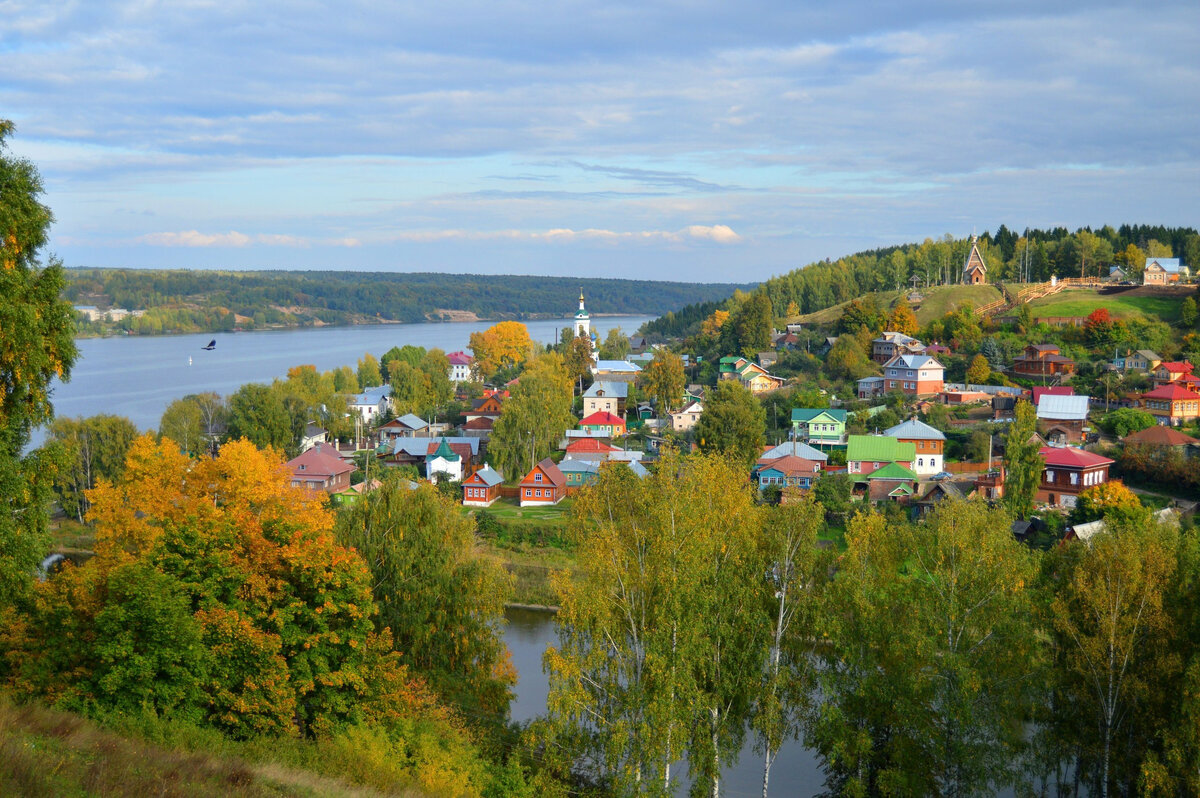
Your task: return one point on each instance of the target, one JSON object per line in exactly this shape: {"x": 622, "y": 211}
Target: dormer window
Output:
{"x": 537, "y": 477}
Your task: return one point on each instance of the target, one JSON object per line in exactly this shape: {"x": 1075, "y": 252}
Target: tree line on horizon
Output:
{"x": 1034, "y": 256}
{"x": 203, "y": 300}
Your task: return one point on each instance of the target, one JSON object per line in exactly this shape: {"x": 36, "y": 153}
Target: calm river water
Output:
{"x": 138, "y": 376}
{"x": 796, "y": 771}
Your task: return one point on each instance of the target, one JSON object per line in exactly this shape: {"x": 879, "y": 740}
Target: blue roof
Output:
{"x": 914, "y": 430}
{"x": 615, "y": 365}
{"x": 419, "y": 447}
{"x": 806, "y": 414}
{"x": 489, "y": 476}
{"x": 611, "y": 388}
{"x": 1170, "y": 265}
{"x": 413, "y": 421}
{"x": 796, "y": 448}
{"x": 373, "y": 396}
{"x": 571, "y": 465}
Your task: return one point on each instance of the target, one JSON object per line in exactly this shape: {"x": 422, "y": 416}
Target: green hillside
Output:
{"x": 1137, "y": 303}
{"x": 937, "y": 302}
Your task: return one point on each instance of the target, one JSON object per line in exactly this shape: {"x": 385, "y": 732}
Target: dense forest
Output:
{"x": 1032, "y": 256}
{"x": 190, "y": 301}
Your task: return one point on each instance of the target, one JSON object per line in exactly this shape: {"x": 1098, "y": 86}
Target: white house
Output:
{"x": 371, "y": 403}
{"x": 683, "y": 420}
{"x": 460, "y": 366}
{"x": 443, "y": 463}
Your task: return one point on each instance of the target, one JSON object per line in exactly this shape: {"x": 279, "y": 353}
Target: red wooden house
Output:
{"x": 482, "y": 488}
{"x": 544, "y": 484}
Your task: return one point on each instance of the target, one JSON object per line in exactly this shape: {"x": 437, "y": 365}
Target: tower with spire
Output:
{"x": 974, "y": 269}
{"x": 583, "y": 322}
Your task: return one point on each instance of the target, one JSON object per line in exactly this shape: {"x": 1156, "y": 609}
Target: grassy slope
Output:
{"x": 1082, "y": 301}
{"x": 938, "y": 302}
{"x": 48, "y": 752}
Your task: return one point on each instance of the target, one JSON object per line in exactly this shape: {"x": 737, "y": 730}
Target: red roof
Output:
{"x": 463, "y": 450}
{"x": 602, "y": 418}
{"x": 589, "y": 445}
{"x": 1070, "y": 457}
{"x": 459, "y": 359}
{"x": 480, "y": 423}
{"x": 1177, "y": 367}
{"x": 321, "y": 460}
{"x": 1171, "y": 392}
{"x": 1051, "y": 390}
{"x": 1160, "y": 435}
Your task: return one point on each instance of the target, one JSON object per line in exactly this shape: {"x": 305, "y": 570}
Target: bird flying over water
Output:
{"x": 211, "y": 345}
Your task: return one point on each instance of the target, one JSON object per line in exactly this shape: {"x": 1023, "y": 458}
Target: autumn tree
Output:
{"x": 979, "y": 371}
{"x": 733, "y": 423}
{"x": 903, "y": 319}
{"x": 369, "y": 375}
{"x": 36, "y": 346}
{"x": 442, "y": 600}
{"x": 663, "y": 380}
{"x": 711, "y": 327}
{"x": 615, "y": 345}
{"x": 1103, "y": 500}
{"x": 1022, "y": 461}
{"x": 534, "y": 417}
{"x": 578, "y": 360}
{"x": 503, "y": 345}
{"x": 221, "y": 553}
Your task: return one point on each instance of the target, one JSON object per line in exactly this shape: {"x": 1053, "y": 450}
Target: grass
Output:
{"x": 937, "y": 302}
{"x": 531, "y": 567}
{"x": 1082, "y": 301}
{"x": 48, "y": 752}
{"x": 509, "y": 510}
{"x": 69, "y": 535}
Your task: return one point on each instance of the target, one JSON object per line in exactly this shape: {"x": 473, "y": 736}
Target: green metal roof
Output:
{"x": 803, "y": 415}
{"x": 445, "y": 452}
{"x": 893, "y": 471}
{"x": 880, "y": 449}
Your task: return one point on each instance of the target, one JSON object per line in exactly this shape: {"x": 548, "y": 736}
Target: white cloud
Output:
{"x": 719, "y": 233}
{"x": 194, "y": 238}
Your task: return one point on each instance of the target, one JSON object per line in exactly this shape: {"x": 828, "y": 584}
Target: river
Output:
{"x": 138, "y": 376}
{"x": 796, "y": 771}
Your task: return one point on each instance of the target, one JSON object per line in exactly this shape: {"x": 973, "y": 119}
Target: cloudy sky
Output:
{"x": 689, "y": 140}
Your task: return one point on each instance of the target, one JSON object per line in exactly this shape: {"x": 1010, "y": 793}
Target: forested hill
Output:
{"x": 1032, "y": 256}
{"x": 184, "y": 301}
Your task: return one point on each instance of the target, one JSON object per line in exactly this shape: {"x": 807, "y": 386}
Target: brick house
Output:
{"x": 320, "y": 468}
{"x": 1069, "y": 472}
{"x": 1060, "y": 419}
{"x": 914, "y": 375}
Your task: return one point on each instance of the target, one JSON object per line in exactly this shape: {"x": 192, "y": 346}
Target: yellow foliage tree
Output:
{"x": 502, "y": 345}
{"x": 903, "y": 319}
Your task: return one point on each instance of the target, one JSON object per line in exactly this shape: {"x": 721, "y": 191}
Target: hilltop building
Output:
{"x": 974, "y": 269}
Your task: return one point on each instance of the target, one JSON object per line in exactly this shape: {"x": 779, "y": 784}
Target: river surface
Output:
{"x": 796, "y": 771}
{"x": 138, "y": 376}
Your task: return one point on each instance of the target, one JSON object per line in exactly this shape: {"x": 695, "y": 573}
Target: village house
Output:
{"x": 788, "y": 471}
{"x": 1170, "y": 371}
{"x": 579, "y": 472}
{"x": 414, "y": 451}
{"x": 615, "y": 371}
{"x": 1142, "y": 360}
{"x": 687, "y": 418}
{"x": 320, "y": 468}
{"x": 443, "y": 463}
{"x": 752, "y": 376}
{"x": 928, "y": 441}
{"x": 479, "y": 427}
{"x": 607, "y": 397}
{"x": 1172, "y": 404}
{"x": 914, "y": 375}
{"x": 1160, "y": 436}
{"x": 1163, "y": 271}
{"x": 1042, "y": 360}
{"x": 313, "y": 435}
{"x": 890, "y": 344}
{"x": 870, "y": 387}
{"x": 604, "y": 423}
{"x": 371, "y": 404}
{"x": 1069, "y": 472}
{"x": 590, "y": 449}
{"x": 460, "y": 367}
{"x": 868, "y": 453}
{"x": 487, "y": 407}
{"x": 544, "y": 484}
{"x": 408, "y": 425}
{"x": 482, "y": 488}
{"x": 893, "y": 482}
{"x": 1061, "y": 419}
{"x": 974, "y": 269}
{"x": 819, "y": 426}
{"x": 796, "y": 449}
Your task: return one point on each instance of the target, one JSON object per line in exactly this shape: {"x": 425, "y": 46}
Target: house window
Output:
{"x": 1049, "y": 476}
{"x": 537, "y": 492}
{"x": 537, "y": 477}
{"x": 920, "y": 462}
{"x": 1074, "y": 478}
{"x": 528, "y": 492}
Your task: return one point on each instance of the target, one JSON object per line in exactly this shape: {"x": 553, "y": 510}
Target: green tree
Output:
{"x": 1188, "y": 313}
{"x": 615, "y": 345}
{"x": 442, "y": 600}
{"x": 369, "y": 375}
{"x": 979, "y": 371}
{"x": 1112, "y": 625}
{"x": 412, "y": 391}
{"x": 183, "y": 423}
{"x": 1127, "y": 420}
{"x": 257, "y": 413}
{"x": 95, "y": 449}
{"x": 36, "y": 346}
{"x": 1023, "y": 462}
{"x": 751, "y": 325}
{"x": 578, "y": 360}
{"x": 663, "y": 380}
{"x": 733, "y": 423}
{"x": 1104, "y": 500}
{"x": 533, "y": 419}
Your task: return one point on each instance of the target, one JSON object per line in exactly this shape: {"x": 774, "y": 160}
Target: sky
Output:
{"x": 696, "y": 141}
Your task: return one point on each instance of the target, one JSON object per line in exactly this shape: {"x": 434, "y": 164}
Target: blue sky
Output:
{"x": 675, "y": 140}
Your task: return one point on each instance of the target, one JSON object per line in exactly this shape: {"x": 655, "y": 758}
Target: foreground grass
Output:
{"x": 49, "y": 752}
